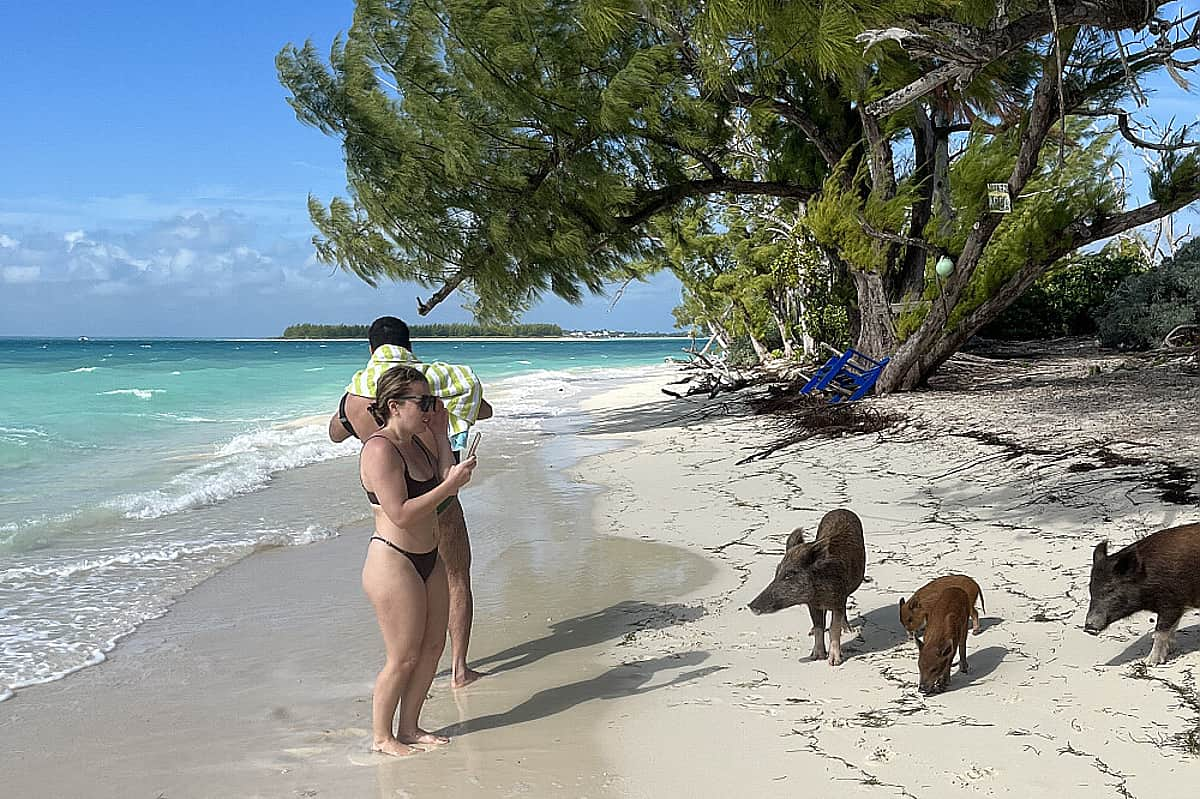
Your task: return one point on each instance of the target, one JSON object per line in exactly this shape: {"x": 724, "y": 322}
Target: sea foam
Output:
{"x": 140, "y": 393}
{"x": 243, "y": 464}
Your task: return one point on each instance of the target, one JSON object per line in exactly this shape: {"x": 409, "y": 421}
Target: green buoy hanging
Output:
{"x": 944, "y": 266}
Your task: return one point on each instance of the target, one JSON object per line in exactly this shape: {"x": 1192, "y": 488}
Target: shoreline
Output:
{"x": 270, "y": 687}
{"x": 273, "y": 339}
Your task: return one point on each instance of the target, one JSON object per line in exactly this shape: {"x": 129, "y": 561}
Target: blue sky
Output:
{"x": 153, "y": 179}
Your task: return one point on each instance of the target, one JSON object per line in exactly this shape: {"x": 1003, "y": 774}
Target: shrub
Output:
{"x": 1145, "y": 307}
{"x": 1064, "y": 301}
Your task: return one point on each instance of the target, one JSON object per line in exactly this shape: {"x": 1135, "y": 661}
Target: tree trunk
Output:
{"x": 777, "y": 302}
{"x": 759, "y": 349}
{"x": 876, "y": 333}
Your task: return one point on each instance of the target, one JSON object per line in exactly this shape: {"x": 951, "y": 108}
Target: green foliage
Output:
{"x": 441, "y": 330}
{"x": 508, "y": 149}
{"x": 1176, "y": 174}
{"x": 1063, "y": 302}
{"x": 836, "y": 218}
{"x": 1146, "y": 306}
{"x": 1056, "y": 197}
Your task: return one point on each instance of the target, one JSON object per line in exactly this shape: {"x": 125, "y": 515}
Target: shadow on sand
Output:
{"x": 982, "y": 662}
{"x": 628, "y": 679}
{"x": 589, "y": 629}
{"x": 879, "y": 629}
{"x": 1187, "y": 639}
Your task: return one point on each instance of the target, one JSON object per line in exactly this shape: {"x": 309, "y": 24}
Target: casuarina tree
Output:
{"x": 510, "y": 148}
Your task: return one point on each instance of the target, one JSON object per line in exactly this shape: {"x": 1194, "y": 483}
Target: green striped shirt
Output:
{"x": 457, "y": 386}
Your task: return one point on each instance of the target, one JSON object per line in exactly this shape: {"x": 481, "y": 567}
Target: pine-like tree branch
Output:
{"x": 963, "y": 50}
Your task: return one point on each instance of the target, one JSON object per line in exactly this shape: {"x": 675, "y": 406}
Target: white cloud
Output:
{"x": 8, "y": 243}
{"x": 217, "y": 273}
{"x": 20, "y": 274}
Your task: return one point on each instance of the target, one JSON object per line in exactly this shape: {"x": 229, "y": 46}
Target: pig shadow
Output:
{"x": 878, "y": 630}
{"x": 982, "y": 662}
{"x": 615, "y": 621}
{"x": 986, "y": 623}
{"x": 1187, "y": 640}
{"x": 628, "y": 679}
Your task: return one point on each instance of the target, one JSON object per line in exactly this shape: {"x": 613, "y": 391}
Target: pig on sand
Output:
{"x": 1160, "y": 573}
{"x": 945, "y": 631}
{"x": 822, "y": 574}
{"x": 915, "y": 610}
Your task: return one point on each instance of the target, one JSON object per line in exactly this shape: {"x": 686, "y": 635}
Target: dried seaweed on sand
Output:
{"x": 801, "y": 417}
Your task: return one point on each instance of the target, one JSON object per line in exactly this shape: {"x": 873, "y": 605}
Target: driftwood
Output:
{"x": 714, "y": 377}
{"x": 1182, "y": 336}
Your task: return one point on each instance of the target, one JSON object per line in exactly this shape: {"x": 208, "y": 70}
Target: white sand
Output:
{"x": 1047, "y": 710}
{"x": 627, "y": 668}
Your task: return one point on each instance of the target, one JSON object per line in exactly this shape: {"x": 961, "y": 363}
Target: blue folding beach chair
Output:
{"x": 846, "y": 377}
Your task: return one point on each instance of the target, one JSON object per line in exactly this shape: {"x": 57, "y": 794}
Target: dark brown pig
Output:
{"x": 945, "y": 631}
{"x": 914, "y": 611}
{"x": 822, "y": 574}
{"x": 1160, "y": 573}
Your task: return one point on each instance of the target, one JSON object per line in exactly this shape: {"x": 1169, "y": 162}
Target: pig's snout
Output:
{"x": 760, "y": 606}
{"x": 1095, "y": 622}
{"x": 768, "y": 601}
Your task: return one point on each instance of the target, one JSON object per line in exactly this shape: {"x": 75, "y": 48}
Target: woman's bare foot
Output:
{"x": 395, "y": 748}
{"x": 465, "y": 678}
{"x": 419, "y": 736}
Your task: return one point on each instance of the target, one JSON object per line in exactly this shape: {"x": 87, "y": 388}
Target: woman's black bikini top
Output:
{"x": 415, "y": 487}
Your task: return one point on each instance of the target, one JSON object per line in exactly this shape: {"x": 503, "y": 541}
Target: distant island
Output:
{"x": 458, "y": 330}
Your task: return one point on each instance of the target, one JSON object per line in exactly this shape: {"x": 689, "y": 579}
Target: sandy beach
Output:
{"x": 623, "y": 659}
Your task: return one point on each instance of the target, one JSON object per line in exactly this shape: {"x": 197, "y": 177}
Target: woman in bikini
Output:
{"x": 403, "y": 577}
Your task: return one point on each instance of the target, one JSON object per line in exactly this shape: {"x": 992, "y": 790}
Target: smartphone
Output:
{"x": 474, "y": 444}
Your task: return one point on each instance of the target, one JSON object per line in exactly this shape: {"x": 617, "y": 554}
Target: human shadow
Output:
{"x": 628, "y": 679}
{"x": 617, "y": 620}
{"x": 1187, "y": 639}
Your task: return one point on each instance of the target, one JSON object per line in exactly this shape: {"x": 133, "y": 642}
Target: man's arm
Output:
{"x": 339, "y": 426}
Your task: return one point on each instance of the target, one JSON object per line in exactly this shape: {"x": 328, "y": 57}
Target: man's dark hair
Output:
{"x": 388, "y": 330}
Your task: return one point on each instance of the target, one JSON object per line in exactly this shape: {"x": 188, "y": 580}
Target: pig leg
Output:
{"x": 974, "y": 621}
{"x": 837, "y": 621}
{"x": 962, "y": 652}
{"x": 1163, "y": 630}
{"x": 818, "y": 633}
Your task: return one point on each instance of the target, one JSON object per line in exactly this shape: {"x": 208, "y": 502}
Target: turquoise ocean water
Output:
{"x": 131, "y": 470}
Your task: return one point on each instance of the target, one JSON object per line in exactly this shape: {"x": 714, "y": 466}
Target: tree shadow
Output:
{"x": 589, "y": 629}
{"x": 628, "y": 679}
{"x": 1187, "y": 639}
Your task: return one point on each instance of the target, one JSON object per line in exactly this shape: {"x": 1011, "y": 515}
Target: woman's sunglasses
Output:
{"x": 425, "y": 402}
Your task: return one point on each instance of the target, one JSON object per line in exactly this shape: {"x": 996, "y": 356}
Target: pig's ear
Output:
{"x": 1128, "y": 564}
{"x": 947, "y": 649}
{"x": 797, "y": 537}
{"x": 810, "y": 556}
{"x": 902, "y": 603}
{"x": 1100, "y": 553}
